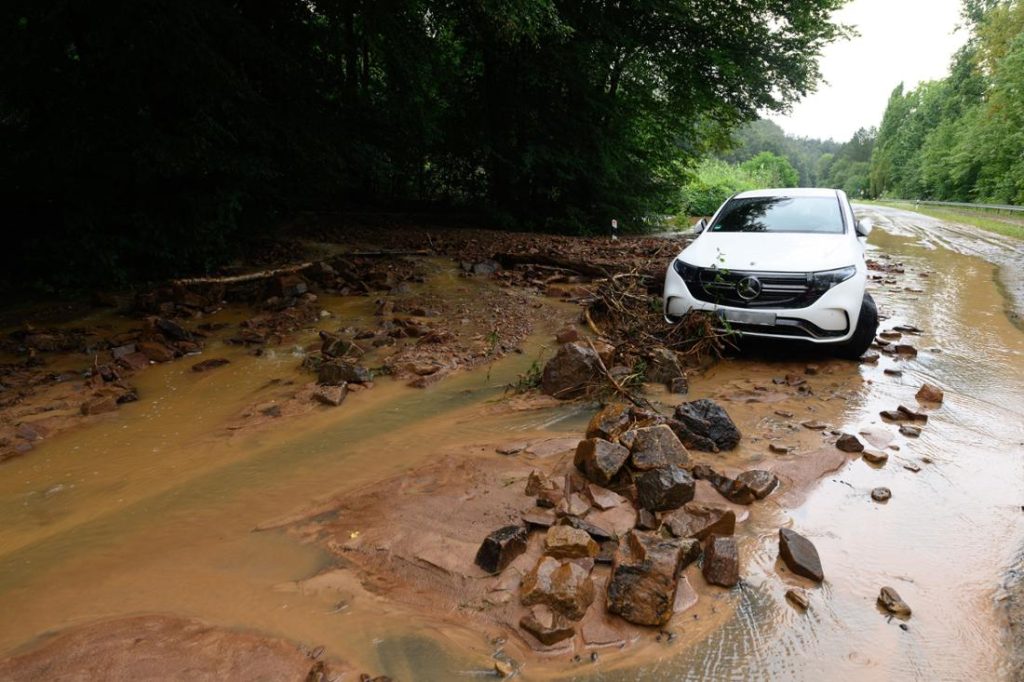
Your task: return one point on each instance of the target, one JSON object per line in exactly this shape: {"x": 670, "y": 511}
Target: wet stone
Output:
{"x": 905, "y": 350}
{"x": 331, "y": 395}
{"x": 565, "y": 587}
{"x": 798, "y": 598}
{"x": 760, "y": 482}
{"x": 610, "y": 422}
{"x": 645, "y": 577}
{"x": 571, "y": 373}
{"x": 663, "y": 366}
{"x": 679, "y": 386}
{"x": 207, "y": 365}
{"x": 567, "y": 335}
{"x": 500, "y": 548}
{"x": 707, "y": 419}
{"x": 849, "y": 443}
{"x": 721, "y": 561}
{"x": 654, "y": 447}
{"x": 800, "y": 555}
{"x": 548, "y": 626}
{"x": 910, "y": 431}
{"x": 539, "y": 519}
{"x": 912, "y": 415}
{"x": 600, "y": 460}
{"x": 874, "y": 456}
{"x": 646, "y": 520}
{"x": 814, "y": 425}
{"x": 699, "y": 521}
{"x": 99, "y": 405}
{"x": 892, "y": 371}
{"x": 549, "y": 498}
{"x": 881, "y": 494}
{"x": 337, "y": 372}
{"x": 890, "y": 600}
{"x": 930, "y": 393}
{"x": 536, "y": 482}
{"x": 779, "y": 449}
{"x": 566, "y": 542}
{"x": 667, "y": 488}
{"x": 603, "y": 498}
{"x": 606, "y": 554}
{"x": 870, "y": 357}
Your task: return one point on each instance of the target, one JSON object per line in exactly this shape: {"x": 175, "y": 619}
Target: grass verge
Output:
{"x": 1000, "y": 225}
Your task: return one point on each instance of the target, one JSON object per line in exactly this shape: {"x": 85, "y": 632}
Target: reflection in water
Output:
{"x": 153, "y": 513}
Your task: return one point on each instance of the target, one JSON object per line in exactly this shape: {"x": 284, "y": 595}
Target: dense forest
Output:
{"x": 145, "y": 138}
{"x": 961, "y": 138}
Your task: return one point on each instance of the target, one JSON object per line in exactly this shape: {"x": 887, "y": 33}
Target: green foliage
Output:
{"x": 713, "y": 182}
{"x": 961, "y": 138}
{"x": 146, "y": 138}
{"x": 773, "y": 170}
{"x": 765, "y": 136}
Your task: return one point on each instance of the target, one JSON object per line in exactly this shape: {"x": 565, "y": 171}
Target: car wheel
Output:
{"x": 864, "y": 334}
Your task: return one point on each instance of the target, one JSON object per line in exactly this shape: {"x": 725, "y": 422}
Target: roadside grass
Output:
{"x": 1004, "y": 226}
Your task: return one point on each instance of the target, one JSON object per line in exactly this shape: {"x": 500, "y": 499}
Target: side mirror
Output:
{"x": 864, "y": 227}
{"x": 700, "y": 226}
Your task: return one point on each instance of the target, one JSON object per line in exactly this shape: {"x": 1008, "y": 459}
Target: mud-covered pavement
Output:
{"x": 162, "y": 507}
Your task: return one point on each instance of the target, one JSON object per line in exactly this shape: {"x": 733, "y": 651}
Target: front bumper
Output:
{"x": 832, "y": 318}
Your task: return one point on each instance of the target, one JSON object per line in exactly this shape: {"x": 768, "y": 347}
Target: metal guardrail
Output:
{"x": 984, "y": 207}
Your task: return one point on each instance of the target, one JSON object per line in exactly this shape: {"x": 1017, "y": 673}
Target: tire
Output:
{"x": 864, "y": 334}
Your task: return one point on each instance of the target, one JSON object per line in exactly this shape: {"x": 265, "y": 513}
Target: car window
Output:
{"x": 780, "y": 214}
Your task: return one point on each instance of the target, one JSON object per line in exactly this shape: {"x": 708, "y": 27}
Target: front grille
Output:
{"x": 777, "y": 289}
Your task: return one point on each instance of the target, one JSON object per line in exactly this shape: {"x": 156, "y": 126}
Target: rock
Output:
{"x": 759, "y": 481}
{"x": 573, "y": 371}
{"x": 669, "y": 487}
{"x": 849, "y": 443}
{"x": 798, "y": 598}
{"x": 337, "y": 372}
{"x": 121, "y": 351}
{"x": 566, "y": 542}
{"x": 679, "y": 386}
{"x": 812, "y": 370}
{"x": 910, "y": 431}
{"x": 500, "y": 548}
{"x": 600, "y": 460}
{"x": 870, "y": 357}
{"x": 646, "y": 520}
{"x": 604, "y": 498}
{"x": 99, "y": 405}
{"x": 930, "y": 393}
{"x": 565, "y": 587}
{"x": 574, "y": 504}
{"x": 645, "y": 576}
{"x": 906, "y": 350}
{"x": 912, "y": 415}
{"x": 567, "y": 335}
{"x": 212, "y": 363}
{"x": 610, "y": 422}
{"x": 536, "y": 482}
{"x": 134, "y": 361}
{"x": 330, "y": 395}
{"x": 288, "y": 286}
{"x": 662, "y": 366}
{"x": 155, "y": 351}
{"x": 889, "y": 599}
{"x": 594, "y": 531}
{"x": 699, "y": 521}
{"x": 548, "y": 626}
{"x": 550, "y": 498}
{"x": 333, "y": 346}
{"x": 502, "y": 669}
{"x": 780, "y": 449}
{"x": 653, "y": 447}
{"x": 721, "y": 561}
{"x": 814, "y": 425}
{"x": 881, "y": 494}
{"x": 800, "y": 555}
{"x": 171, "y": 329}
{"x": 539, "y": 519}
{"x": 785, "y": 414}
{"x": 269, "y": 410}
{"x": 874, "y": 456}
{"x": 707, "y": 419}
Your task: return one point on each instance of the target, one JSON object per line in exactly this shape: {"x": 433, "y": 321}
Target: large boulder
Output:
{"x": 653, "y": 447}
{"x": 645, "y": 576}
{"x": 573, "y": 371}
{"x": 565, "y": 587}
{"x": 600, "y": 460}
{"x": 800, "y": 555}
{"x": 721, "y": 561}
{"x": 669, "y": 487}
{"x": 705, "y": 420}
{"x": 501, "y": 547}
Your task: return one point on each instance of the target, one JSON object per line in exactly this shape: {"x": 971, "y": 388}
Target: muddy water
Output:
{"x": 152, "y": 510}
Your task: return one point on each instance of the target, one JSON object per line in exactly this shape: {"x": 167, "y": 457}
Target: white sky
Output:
{"x": 900, "y": 40}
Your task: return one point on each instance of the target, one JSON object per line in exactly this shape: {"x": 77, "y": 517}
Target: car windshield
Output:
{"x": 780, "y": 214}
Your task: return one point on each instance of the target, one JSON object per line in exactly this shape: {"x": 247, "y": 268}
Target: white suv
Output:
{"x": 780, "y": 263}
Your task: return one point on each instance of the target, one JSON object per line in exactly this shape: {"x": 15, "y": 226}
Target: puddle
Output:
{"x": 152, "y": 510}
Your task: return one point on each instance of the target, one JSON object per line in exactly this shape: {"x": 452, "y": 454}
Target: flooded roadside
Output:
{"x": 152, "y": 510}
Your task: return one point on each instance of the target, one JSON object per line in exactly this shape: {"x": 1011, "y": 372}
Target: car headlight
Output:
{"x": 689, "y": 273}
{"x": 826, "y": 279}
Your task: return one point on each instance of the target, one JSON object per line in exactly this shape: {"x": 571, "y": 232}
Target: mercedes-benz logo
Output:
{"x": 748, "y": 288}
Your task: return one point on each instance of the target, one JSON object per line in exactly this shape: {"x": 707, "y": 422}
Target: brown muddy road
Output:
{"x": 152, "y": 510}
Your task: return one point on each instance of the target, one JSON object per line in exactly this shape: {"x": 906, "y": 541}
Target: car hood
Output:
{"x": 773, "y": 251}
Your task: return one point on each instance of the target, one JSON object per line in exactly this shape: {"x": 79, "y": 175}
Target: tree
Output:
{"x": 774, "y": 170}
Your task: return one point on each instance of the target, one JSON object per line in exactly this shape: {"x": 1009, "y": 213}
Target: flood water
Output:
{"x": 153, "y": 509}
